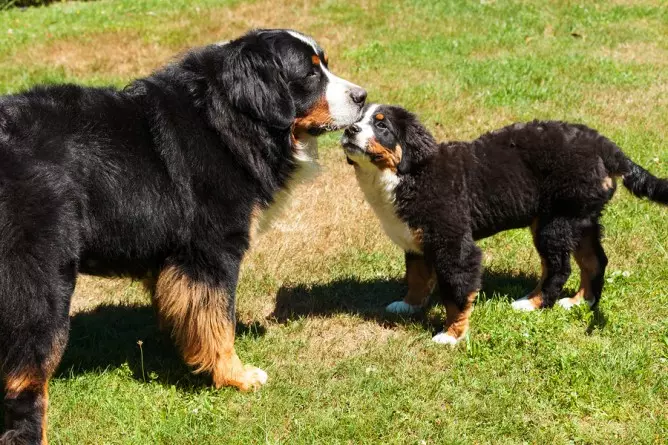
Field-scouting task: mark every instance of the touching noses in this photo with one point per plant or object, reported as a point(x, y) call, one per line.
point(353, 129)
point(358, 95)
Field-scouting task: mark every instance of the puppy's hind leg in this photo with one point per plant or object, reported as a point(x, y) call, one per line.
point(591, 258)
point(555, 241)
point(421, 280)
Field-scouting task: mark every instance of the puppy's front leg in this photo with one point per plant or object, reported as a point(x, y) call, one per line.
point(458, 269)
point(421, 280)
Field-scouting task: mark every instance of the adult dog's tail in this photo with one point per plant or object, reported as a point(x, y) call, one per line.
point(639, 181)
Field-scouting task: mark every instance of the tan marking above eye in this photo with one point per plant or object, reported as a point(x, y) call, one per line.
point(380, 116)
point(315, 60)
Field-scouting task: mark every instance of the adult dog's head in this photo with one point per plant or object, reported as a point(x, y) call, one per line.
point(387, 138)
point(278, 80)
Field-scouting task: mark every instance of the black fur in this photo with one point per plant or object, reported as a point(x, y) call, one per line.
point(163, 173)
point(554, 176)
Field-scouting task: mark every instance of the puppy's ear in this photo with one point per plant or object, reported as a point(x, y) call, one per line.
point(405, 163)
point(253, 81)
point(417, 144)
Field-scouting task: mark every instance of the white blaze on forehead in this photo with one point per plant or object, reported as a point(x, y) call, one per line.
point(306, 39)
point(342, 109)
point(362, 138)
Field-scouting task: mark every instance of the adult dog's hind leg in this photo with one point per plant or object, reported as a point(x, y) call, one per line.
point(36, 329)
point(591, 258)
point(199, 308)
point(421, 280)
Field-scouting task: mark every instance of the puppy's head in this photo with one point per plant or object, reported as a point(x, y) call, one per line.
point(282, 77)
point(387, 137)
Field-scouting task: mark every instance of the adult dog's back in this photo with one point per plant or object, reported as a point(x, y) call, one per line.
point(160, 179)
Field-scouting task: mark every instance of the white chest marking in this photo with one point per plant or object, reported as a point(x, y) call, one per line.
point(305, 156)
point(379, 187)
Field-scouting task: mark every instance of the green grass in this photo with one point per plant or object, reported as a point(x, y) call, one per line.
point(311, 312)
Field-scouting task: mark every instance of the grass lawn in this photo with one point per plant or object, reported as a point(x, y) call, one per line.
point(313, 289)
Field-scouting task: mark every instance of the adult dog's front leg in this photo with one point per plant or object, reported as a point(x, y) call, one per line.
point(201, 315)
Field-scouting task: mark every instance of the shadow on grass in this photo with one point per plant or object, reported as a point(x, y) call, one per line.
point(369, 298)
point(107, 337)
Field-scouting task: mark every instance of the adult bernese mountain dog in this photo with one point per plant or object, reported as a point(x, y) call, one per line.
point(162, 179)
point(435, 200)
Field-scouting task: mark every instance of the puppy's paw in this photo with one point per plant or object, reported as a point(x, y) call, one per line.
point(524, 304)
point(568, 303)
point(446, 339)
point(402, 308)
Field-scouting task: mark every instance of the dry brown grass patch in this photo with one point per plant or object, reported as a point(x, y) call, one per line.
point(134, 53)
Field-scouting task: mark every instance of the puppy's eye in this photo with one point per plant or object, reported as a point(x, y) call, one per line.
point(313, 73)
point(381, 125)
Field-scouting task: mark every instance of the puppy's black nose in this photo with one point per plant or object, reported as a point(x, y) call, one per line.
point(358, 95)
point(353, 129)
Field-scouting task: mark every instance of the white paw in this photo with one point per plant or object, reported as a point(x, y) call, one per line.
point(253, 378)
point(445, 339)
point(523, 304)
point(568, 303)
point(402, 308)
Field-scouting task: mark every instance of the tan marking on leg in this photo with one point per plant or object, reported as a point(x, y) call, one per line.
point(202, 328)
point(535, 297)
point(15, 384)
point(457, 320)
point(421, 280)
point(45, 407)
point(585, 257)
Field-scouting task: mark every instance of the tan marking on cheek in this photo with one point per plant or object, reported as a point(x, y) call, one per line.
point(457, 320)
point(315, 59)
point(317, 117)
point(421, 280)
point(381, 157)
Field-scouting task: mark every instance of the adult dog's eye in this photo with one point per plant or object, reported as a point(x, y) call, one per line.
point(381, 124)
point(313, 73)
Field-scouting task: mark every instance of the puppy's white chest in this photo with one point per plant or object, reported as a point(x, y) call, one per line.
point(379, 187)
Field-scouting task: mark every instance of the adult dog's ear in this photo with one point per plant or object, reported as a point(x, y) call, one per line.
point(253, 80)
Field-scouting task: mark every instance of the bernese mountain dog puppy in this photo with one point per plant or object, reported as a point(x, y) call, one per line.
point(162, 179)
point(435, 200)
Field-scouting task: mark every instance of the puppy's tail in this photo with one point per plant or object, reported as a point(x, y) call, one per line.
point(639, 181)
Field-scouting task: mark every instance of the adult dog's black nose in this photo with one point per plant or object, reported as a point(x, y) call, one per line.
point(353, 129)
point(358, 95)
